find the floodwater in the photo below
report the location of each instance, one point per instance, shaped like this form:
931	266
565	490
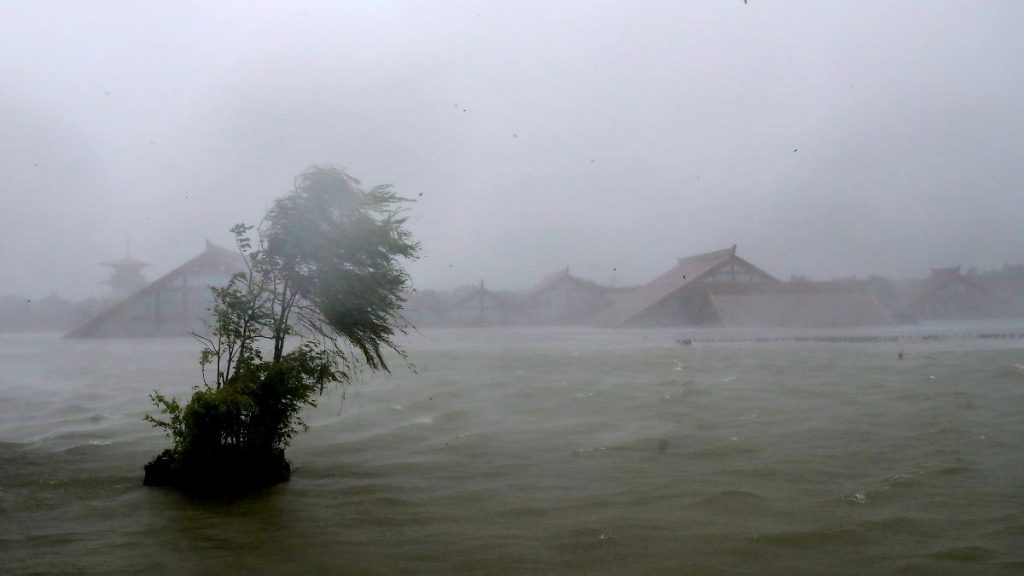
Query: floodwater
542	452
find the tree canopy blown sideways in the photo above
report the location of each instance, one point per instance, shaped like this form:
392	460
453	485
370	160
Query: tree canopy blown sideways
322	295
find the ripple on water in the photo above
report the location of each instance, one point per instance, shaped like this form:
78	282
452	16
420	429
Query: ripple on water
655	485
731	447
810	538
903	480
733	498
951	469
964	554
890	524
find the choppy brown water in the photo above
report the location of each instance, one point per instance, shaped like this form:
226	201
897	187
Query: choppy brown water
542	452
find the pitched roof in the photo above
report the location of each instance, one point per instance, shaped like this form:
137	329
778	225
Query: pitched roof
942	277
126	262
427	299
799	305
554	279
212	255
686	272
482	292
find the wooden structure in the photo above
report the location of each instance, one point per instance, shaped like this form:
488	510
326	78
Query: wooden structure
423	308
949	295
176	304
801	304
562	298
721	289
127	277
681	296
482	307
1007	284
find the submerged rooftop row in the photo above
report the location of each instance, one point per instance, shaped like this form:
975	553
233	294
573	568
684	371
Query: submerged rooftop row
712	289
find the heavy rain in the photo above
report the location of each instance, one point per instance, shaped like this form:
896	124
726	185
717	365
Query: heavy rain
720	287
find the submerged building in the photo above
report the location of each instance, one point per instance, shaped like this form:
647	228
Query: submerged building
423	308
949	295
682	295
1007	283
721	289
801	304
562	298
176	304
482	307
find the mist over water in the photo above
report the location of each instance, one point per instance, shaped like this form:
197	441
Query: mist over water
542	451
826	140
604	140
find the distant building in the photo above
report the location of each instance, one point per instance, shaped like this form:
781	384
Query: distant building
949	295
127	278
801	304
562	298
424	308
721	289
889	295
49	314
482	307
1007	283
176	304
681	296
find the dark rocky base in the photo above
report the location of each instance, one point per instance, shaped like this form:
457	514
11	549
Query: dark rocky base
230	473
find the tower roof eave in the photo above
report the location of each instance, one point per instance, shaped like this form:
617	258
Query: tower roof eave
126	262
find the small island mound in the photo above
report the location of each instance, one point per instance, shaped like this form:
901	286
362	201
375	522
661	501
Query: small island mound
320	297
231	473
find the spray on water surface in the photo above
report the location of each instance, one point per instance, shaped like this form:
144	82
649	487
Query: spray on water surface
542	451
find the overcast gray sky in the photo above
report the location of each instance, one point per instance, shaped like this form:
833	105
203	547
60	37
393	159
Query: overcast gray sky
825	138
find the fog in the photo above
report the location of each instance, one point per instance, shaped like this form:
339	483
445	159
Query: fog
824	139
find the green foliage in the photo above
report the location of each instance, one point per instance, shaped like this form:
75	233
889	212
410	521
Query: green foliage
324	278
337	249
257	410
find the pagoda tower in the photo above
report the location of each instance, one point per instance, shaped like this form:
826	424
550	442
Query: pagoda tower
127	277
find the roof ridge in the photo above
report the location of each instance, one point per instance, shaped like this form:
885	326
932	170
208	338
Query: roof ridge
211	250
716	254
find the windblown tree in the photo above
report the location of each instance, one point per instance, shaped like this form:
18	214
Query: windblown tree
322	296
